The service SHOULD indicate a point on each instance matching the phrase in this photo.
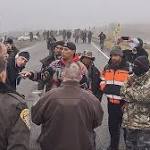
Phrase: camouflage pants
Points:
(137, 139)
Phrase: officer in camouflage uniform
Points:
(136, 117)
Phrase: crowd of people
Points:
(84, 35)
(70, 107)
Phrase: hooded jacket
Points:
(128, 54)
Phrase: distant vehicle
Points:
(35, 37)
(23, 38)
(26, 38)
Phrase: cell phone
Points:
(126, 38)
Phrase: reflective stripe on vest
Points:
(114, 101)
(116, 78)
(114, 82)
(113, 97)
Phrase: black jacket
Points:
(130, 57)
(94, 78)
(51, 43)
(13, 52)
(140, 52)
(45, 64)
(14, 127)
(13, 78)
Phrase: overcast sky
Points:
(39, 14)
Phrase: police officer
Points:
(68, 114)
(14, 114)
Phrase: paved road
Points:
(26, 87)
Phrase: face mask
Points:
(134, 43)
(134, 51)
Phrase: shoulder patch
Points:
(25, 115)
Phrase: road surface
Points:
(26, 87)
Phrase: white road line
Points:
(100, 51)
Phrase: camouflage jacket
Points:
(137, 94)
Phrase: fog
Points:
(55, 14)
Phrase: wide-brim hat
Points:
(88, 54)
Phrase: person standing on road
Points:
(84, 36)
(68, 114)
(90, 37)
(14, 114)
(114, 76)
(64, 34)
(47, 34)
(69, 34)
(102, 38)
(77, 35)
(14, 68)
(57, 55)
(93, 74)
(51, 44)
(44, 34)
(31, 36)
(137, 109)
(11, 48)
